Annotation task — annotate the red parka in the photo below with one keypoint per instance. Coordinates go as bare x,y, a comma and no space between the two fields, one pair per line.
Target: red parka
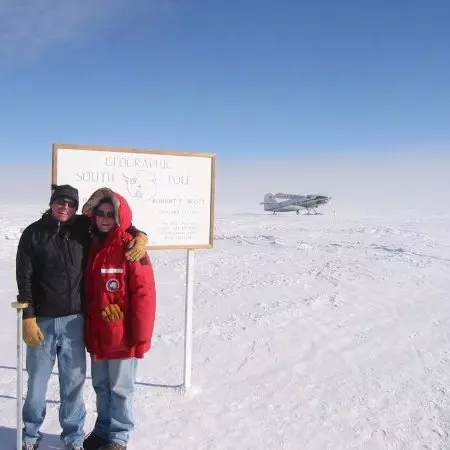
111,278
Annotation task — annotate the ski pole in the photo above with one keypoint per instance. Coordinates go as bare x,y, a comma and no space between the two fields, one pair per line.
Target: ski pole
19,308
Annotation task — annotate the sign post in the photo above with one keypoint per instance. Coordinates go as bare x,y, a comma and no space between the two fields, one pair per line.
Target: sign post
170,193
188,319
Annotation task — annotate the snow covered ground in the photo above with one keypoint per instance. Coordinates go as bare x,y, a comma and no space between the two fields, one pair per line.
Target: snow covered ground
310,332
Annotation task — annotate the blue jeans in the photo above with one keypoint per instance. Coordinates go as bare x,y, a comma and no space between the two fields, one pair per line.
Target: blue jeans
63,339
113,381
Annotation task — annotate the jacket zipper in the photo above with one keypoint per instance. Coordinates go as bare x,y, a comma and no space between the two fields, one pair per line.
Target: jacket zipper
69,284
69,280
95,263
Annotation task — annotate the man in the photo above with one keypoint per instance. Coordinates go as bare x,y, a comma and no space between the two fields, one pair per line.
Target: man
50,262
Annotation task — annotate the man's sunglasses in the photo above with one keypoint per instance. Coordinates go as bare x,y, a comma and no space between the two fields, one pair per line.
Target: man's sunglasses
100,213
65,201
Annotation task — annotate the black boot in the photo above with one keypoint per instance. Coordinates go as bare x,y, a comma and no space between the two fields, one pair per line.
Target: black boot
94,442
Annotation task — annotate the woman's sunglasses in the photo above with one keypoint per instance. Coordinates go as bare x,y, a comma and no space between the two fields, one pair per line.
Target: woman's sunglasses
100,213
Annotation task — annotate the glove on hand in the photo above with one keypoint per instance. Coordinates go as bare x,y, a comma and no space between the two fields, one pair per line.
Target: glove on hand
138,247
112,312
32,334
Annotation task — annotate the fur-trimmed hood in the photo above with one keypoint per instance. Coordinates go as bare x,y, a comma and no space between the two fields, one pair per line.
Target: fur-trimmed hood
124,217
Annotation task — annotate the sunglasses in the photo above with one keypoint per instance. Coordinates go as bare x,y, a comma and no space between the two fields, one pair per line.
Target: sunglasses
100,213
65,201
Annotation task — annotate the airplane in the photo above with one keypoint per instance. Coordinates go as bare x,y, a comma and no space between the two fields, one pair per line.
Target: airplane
282,202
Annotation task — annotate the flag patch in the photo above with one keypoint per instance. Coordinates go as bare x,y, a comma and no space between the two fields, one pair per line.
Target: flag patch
111,270
145,261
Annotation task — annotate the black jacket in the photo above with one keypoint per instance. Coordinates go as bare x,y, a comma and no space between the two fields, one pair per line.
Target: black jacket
50,262
49,266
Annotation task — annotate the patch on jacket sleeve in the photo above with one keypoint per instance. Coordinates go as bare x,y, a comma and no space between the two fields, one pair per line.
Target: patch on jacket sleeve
145,260
112,285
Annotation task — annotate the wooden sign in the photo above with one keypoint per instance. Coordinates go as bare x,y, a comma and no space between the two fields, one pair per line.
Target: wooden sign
171,193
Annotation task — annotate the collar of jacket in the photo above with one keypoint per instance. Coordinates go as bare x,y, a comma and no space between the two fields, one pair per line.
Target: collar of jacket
56,226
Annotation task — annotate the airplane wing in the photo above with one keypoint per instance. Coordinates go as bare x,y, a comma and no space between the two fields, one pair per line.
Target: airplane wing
308,203
274,206
304,203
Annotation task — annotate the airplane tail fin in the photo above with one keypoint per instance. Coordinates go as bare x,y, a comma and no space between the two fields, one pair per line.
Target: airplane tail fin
269,199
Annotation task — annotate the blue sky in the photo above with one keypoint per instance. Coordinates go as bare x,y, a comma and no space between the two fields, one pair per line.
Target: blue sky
237,77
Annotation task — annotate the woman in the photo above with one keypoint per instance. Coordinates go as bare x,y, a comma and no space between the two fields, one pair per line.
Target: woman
120,318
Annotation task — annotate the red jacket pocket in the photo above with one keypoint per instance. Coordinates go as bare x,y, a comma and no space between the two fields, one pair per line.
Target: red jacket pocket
112,336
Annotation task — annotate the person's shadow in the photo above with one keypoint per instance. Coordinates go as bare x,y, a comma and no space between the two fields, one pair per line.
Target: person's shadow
49,441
